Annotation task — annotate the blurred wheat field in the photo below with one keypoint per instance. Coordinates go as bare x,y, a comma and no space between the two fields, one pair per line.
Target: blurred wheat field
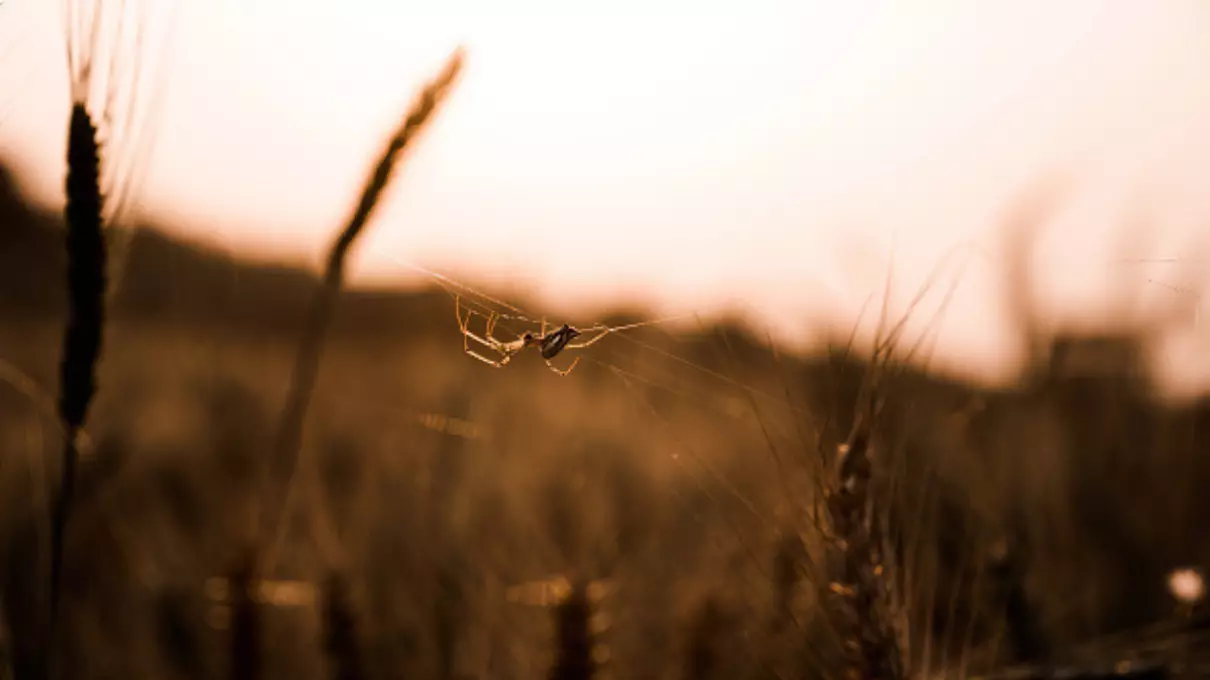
446,483
693,505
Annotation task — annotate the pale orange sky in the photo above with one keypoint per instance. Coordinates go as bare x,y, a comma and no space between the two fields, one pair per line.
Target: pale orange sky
758,154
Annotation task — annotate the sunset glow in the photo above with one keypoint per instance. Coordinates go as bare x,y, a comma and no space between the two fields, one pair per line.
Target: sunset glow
772,157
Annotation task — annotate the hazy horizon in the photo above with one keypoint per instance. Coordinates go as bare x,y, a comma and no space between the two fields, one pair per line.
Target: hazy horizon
769,158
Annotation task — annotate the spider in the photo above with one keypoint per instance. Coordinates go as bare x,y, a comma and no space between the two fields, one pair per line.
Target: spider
548,344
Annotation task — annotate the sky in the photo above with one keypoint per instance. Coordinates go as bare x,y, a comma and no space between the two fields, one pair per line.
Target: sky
776,158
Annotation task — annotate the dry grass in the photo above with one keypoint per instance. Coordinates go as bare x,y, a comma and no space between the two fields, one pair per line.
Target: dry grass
960,531
437,526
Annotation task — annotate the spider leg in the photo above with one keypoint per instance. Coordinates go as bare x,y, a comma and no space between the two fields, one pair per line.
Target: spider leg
489,331
577,345
506,350
487,339
491,362
462,323
488,342
591,341
562,371
465,322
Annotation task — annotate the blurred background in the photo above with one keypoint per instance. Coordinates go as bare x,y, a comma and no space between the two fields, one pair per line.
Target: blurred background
1019,183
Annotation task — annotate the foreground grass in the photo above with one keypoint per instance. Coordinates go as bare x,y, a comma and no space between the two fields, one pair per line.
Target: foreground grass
445,483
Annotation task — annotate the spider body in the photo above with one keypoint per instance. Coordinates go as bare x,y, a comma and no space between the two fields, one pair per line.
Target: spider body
549,344
555,341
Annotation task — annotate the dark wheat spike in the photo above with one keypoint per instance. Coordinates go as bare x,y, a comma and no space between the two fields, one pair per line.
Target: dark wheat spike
85,269
706,638
573,637
85,317
1021,619
247,659
859,588
340,631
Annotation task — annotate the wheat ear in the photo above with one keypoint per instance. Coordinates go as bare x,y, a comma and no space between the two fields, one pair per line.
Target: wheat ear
859,592
85,243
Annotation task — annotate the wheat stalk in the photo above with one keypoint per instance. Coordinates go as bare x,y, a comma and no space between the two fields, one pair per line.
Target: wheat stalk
286,452
85,245
246,653
707,634
340,630
93,65
574,636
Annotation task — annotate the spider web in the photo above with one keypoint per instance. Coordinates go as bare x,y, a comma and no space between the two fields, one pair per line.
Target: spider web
1191,292
887,335
800,450
694,383
487,304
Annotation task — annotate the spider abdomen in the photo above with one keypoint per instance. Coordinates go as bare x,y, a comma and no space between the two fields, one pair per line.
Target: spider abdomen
553,343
